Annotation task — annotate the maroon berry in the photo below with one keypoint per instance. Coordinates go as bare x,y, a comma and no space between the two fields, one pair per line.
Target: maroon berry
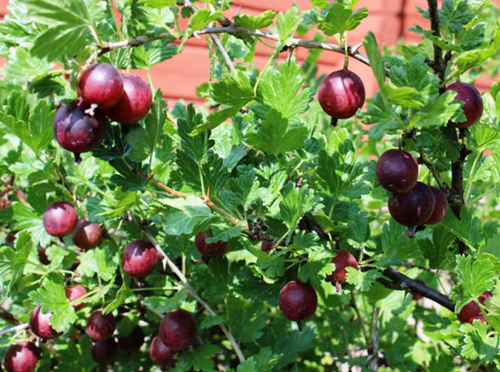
86,235
42,255
59,219
100,326
414,207
22,357
101,84
161,354
341,94
266,246
177,330
139,258
298,301
440,206
104,351
77,131
342,260
132,341
40,324
135,102
472,311
416,296
210,250
397,171
74,293
473,103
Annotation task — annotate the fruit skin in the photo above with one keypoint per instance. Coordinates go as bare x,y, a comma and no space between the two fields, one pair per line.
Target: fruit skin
473,103
133,341
139,258
22,357
74,293
414,207
104,351
161,354
59,219
42,255
440,206
266,246
135,102
298,301
101,84
211,250
397,171
341,94
177,329
86,235
472,311
40,325
77,131
342,260
100,326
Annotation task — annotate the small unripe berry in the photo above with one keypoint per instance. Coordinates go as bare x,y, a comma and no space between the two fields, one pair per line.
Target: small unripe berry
473,103
298,301
160,354
177,330
22,357
139,258
397,171
101,84
413,208
100,326
59,219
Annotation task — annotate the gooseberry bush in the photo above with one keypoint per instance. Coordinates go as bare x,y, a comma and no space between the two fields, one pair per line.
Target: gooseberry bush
289,223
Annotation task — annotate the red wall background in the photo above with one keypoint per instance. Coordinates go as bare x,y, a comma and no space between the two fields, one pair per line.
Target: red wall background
389,20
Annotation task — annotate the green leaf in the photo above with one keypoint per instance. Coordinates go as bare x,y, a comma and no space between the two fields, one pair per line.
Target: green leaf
437,250
234,90
296,202
357,232
468,228
320,3
74,356
165,304
246,319
210,321
12,263
263,20
362,280
393,237
97,261
341,18
317,267
192,212
477,344
159,4
371,46
287,23
199,359
151,54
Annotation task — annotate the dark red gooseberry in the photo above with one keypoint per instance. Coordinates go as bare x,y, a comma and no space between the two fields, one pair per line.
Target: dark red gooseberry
59,219
473,103
440,206
42,255
397,171
177,330
133,341
472,311
298,301
210,250
101,84
135,102
416,296
139,258
100,326
161,354
86,235
266,246
22,357
342,260
74,293
414,207
77,131
40,324
104,351
341,94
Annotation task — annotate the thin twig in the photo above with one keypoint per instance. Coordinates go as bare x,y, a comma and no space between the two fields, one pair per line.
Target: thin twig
17,328
360,320
11,318
223,51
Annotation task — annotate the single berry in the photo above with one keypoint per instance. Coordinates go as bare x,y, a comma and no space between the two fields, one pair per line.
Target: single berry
40,324
135,102
210,250
177,329
440,206
139,258
104,351
42,255
101,84
472,311
132,341
342,260
341,94
298,301
59,219
86,235
266,246
397,171
414,207
76,130
22,357
416,296
74,293
473,103
161,354
100,326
